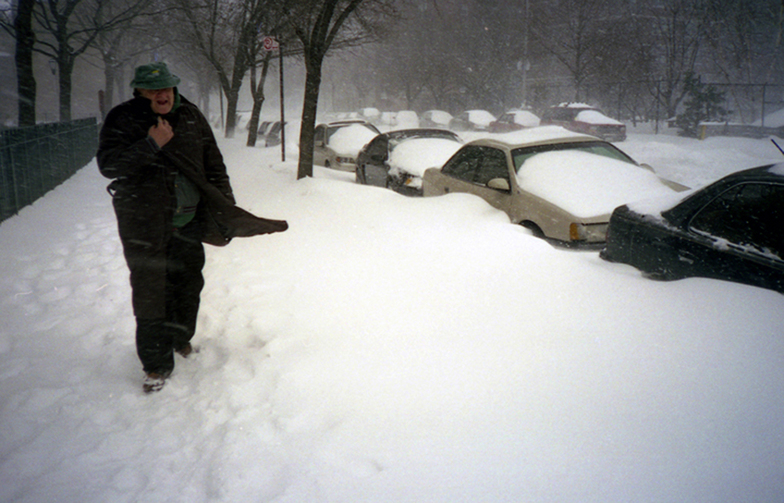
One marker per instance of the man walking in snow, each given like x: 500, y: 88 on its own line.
x: 171, y: 192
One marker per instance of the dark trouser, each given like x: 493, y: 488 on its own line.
x: 156, y: 338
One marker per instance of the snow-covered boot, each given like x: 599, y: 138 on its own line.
x: 154, y: 381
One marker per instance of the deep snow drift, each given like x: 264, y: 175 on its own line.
x: 388, y: 349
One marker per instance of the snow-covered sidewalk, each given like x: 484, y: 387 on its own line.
x: 387, y: 349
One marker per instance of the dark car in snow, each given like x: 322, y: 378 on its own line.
x: 398, y: 159
x: 270, y: 132
x: 732, y: 229
x: 583, y: 118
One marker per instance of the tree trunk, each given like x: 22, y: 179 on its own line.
x: 309, y: 108
x: 25, y: 78
x: 231, y: 112
x: 65, y: 69
x: 257, y: 91
x: 109, y: 72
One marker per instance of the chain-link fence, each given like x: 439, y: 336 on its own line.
x: 34, y: 160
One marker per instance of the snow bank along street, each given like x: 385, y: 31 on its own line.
x: 388, y: 349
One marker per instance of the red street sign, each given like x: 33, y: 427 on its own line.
x: 270, y: 43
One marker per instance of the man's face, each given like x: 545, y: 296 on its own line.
x: 161, y: 100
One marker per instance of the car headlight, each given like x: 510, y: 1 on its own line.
x: 593, y: 233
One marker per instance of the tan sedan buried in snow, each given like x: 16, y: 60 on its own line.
x: 561, y: 185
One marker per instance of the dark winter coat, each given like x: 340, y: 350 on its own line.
x: 144, y: 194
x: 143, y: 187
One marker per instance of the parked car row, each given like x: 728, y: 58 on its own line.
x: 578, y: 190
x: 577, y: 117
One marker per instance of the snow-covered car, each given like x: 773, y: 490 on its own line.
x: 435, y: 119
x: 514, y: 120
x: 406, y: 119
x: 337, y: 144
x: 472, y: 120
x: 398, y: 159
x: 370, y: 114
x: 270, y: 133
x: 583, y: 118
x: 730, y: 230
x: 560, y: 184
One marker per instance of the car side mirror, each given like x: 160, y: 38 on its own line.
x: 499, y: 184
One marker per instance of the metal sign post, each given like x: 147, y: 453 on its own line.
x: 282, y: 111
x: 271, y: 43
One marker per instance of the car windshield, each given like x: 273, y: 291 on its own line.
x: 521, y: 155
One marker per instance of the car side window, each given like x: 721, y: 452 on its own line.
x: 748, y: 214
x: 378, y: 149
x: 492, y: 166
x: 464, y: 164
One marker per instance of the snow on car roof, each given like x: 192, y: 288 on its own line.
x: 539, y: 134
x: 480, y: 116
x: 350, y: 139
x: 595, y: 117
x: 587, y: 185
x: 574, y: 105
x: 525, y: 118
x: 418, y: 154
x: 438, y: 113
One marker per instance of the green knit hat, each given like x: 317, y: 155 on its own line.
x: 154, y: 76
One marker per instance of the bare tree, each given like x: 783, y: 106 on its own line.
x: 677, y: 28
x: 226, y: 34
x: 20, y: 27
x: 121, y: 46
x: 321, y: 25
x: 569, y: 32
x: 257, y: 91
x: 744, y: 43
x: 67, y: 28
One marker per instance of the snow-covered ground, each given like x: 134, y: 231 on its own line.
x: 387, y: 349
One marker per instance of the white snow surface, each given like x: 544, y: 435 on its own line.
x: 480, y: 117
x: 416, y: 155
x: 588, y: 185
x: 439, y: 117
x: 387, y: 349
x: 406, y: 119
x: 596, y: 117
x: 348, y: 141
x: 525, y: 118
x: 530, y: 135
x: 775, y: 119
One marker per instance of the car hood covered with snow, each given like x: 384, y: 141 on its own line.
x: 588, y: 185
